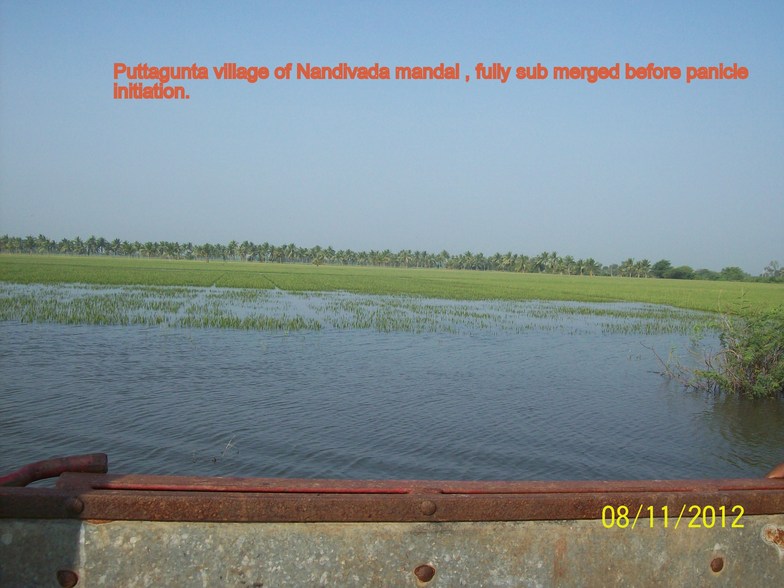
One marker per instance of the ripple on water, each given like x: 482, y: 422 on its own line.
x: 533, y: 404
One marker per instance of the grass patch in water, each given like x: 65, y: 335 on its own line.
x: 249, y: 309
x: 151, y: 306
x: 266, y: 310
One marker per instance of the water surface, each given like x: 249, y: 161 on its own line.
x: 534, y: 393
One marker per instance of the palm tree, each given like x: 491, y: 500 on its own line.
x: 507, y: 262
x: 231, y: 249
x: 245, y: 250
x: 642, y: 268
x: 539, y: 263
x: 289, y: 251
x: 568, y: 265
x: 264, y: 252
x: 627, y: 267
x: 553, y: 262
x: 148, y: 249
x: 592, y: 266
x: 91, y: 244
x: 42, y: 244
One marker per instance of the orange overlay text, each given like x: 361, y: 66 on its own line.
x: 167, y: 82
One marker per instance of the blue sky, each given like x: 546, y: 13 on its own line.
x: 693, y: 173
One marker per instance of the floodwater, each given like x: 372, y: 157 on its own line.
x: 536, y: 391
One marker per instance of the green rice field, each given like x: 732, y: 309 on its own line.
x: 438, y: 283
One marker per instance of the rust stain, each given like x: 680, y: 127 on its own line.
x: 775, y: 536
x: 559, y: 559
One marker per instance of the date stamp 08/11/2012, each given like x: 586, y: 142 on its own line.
x: 690, y: 516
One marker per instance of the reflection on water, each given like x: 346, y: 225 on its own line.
x: 746, y: 424
x: 480, y: 403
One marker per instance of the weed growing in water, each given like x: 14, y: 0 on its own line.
x: 229, y: 449
x: 750, y: 362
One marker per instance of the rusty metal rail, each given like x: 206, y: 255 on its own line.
x: 51, y: 468
x: 95, y: 529
x: 90, y: 496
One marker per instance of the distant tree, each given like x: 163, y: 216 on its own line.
x: 265, y: 251
x: 91, y: 244
x: 148, y: 249
x: 10, y: 244
x: 539, y: 263
x: 568, y: 265
x: 289, y: 251
x: 682, y: 272
x: 77, y: 246
x: 219, y: 250
x: 733, y: 273
x: 592, y: 266
x: 545, y: 262
x: 554, y: 262
x: 642, y: 268
x: 660, y: 268
x: 706, y: 274
x: 773, y: 270
x: 523, y: 264
x: 127, y: 248
x: 627, y: 267
x: 43, y: 245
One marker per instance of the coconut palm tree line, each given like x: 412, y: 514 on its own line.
x: 546, y: 262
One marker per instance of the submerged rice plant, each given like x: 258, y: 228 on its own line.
x: 250, y: 309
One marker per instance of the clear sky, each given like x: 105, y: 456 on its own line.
x: 693, y: 173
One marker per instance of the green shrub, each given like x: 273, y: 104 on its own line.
x: 751, y: 359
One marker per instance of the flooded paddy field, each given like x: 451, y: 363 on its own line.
x: 252, y: 309
x: 242, y: 382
